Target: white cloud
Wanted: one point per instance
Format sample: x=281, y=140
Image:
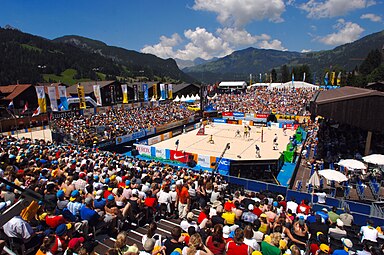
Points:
x=372, y=17
x=204, y=44
x=274, y=44
x=239, y=37
x=238, y=13
x=305, y=50
x=333, y=8
x=164, y=49
x=347, y=32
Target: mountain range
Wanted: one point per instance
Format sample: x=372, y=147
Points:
x=28, y=58
x=239, y=64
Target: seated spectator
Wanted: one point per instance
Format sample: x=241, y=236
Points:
x=188, y=222
x=216, y=242
x=196, y=246
x=338, y=232
x=237, y=245
x=175, y=241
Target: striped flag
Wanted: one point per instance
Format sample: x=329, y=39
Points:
x=36, y=112
x=25, y=108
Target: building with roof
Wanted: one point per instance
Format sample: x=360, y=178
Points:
x=19, y=94
x=232, y=85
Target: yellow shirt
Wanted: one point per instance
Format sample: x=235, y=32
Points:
x=229, y=217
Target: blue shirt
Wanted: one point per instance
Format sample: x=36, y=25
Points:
x=90, y=215
x=99, y=203
x=340, y=252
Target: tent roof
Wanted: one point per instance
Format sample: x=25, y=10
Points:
x=296, y=84
x=232, y=83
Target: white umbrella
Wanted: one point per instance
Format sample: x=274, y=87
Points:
x=376, y=159
x=182, y=99
x=177, y=99
x=352, y=164
x=333, y=175
x=314, y=180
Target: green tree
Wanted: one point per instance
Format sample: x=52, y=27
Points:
x=274, y=75
x=285, y=75
x=371, y=62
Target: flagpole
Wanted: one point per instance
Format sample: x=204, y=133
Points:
x=42, y=122
x=30, y=124
x=17, y=129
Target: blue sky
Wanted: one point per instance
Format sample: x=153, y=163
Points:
x=200, y=28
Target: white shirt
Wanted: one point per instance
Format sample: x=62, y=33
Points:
x=321, y=197
x=252, y=243
x=18, y=228
x=164, y=197
x=369, y=233
x=173, y=195
x=185, y=225
x=292, y=205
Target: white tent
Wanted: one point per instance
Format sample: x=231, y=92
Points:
x=193, y=97
x=188, y=98
x=295, y=84
x=197, y=97
x=183, y=99
x=153, y=99
x=232, y=85
x=177, y=99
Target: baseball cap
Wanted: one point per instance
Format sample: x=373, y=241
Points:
x=60, y=193
x=74, y=195
x=99, y=193
x=250, y=207
x=111, y=198
x=324, y=248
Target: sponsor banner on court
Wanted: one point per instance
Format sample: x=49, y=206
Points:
x=160, y=153
x=143, y=149
x=150, y=131
x=233, y=122
x=249, y=115
x=180, y=156
x=227, y=114
x=130, y=137
x=238, y=114
x=223, y=165
x=154, y=140
x=219, y=120
x=204, y=161
x=166, y=136
x=275, y=125
x=246, y=122
x=262, y=116
x=145, y=142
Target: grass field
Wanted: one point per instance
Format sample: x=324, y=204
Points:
x=65, y=77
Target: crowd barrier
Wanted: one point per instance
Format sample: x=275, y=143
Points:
x=360, y=211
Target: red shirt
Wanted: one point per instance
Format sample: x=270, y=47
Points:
x=60, y=245
x=215, y=249
x=183, y=195
x=54, y=221
x=201, y=217
x=303, y=208
x=107, y=193
x=234, y=249
x=150, y=202
x=257, y=211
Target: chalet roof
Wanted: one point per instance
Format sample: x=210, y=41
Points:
x=12, y=91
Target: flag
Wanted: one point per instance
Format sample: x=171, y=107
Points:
x=135, y=92
x=36, y=112
x=170, y=91
x=333, y=74
x=145, y=90
x=326, y=79
x=162, y=90
x=11, y=108
x=293, y=78
x=304, y=76
x=260, y=77
x=97, y=94
x=338, y=79
x=124, y=88
x=154, y=87
x=63, y=98
x=41, y=99
x=25, y=108
x=81, y=94
x=52, y=98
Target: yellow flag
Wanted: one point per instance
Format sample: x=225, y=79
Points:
x=80, y=92
x=154, y=86
x=41, y=99
x=333, y=78
x=338, y=79
x=125, y=93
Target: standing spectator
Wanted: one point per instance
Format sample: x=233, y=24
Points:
x=346, y=218
x=369, y=232
x=237, y=245
x=183, y=199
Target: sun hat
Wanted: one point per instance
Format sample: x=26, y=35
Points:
x=347, y=243
x=99, y=193
x=250, y=207
x=216, y=203
x=190, y=216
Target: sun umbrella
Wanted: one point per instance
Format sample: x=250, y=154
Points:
x=314, y=180
x=376, y=159
x=333, y=175
x=352, y=164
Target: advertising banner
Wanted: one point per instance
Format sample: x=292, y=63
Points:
x=97, y=93
x=233, y=122
x=238, y=114
x=223, y=166
x=63, y=97
x=180, y=156
x=145, y=90
x=143, y=149
x=262, y=116
x=52, y=98
x=204, y=161
x=219, y=120
x=135, y=92
x=227, y=114
x=170, y=91
x=80, y=93
x=124, y=89
x=154, y=88
x=160, y=153
x=41, y=99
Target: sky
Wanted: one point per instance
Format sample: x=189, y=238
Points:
x=190, y=29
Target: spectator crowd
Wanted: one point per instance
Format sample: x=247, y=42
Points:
x=87, y=192
x=265, y=101
x=118, y=121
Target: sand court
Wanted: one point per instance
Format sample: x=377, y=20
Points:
x=240, y=148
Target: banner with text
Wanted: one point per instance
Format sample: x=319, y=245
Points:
x=63, y=97
x=80, y=93
x=41, y=99
x=145, y=90
x=97, y=93
x=52, y=98
x=124, y=89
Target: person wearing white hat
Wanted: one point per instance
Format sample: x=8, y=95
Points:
x=338, y=232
